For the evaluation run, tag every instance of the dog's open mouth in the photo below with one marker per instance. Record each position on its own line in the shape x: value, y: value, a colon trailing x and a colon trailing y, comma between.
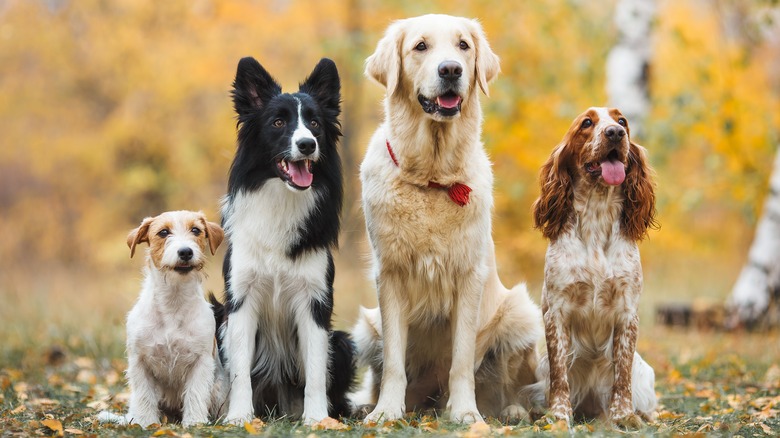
x: 448, y: 104
x: 297, y: 174
x: 611, y: 169
x: 183, y: 269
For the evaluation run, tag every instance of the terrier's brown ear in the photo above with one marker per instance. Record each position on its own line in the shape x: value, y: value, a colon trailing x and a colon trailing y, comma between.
x: 139, y: 235
x: 214, y: 234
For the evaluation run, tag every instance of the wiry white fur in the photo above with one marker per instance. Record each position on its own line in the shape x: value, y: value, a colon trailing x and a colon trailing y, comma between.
x: 170, y: 340
x: 277, y: 294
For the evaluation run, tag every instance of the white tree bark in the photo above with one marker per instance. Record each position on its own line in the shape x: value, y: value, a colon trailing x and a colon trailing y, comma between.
x: 760, y: 276
x: 628, y: 63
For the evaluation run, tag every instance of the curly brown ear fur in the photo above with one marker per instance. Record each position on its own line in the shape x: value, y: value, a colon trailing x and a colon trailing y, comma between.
x: 555, y: 205
x: 639, y: 191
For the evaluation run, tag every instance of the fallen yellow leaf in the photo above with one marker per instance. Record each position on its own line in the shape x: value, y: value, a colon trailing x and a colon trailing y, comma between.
x: 250, y: 428
x: 329, y: 423
x: 669, y: 415
x: 74, y: 431
x: 477, y: 430
x: 54, y: 425
x: 44, y: 402
x: 19, y: 409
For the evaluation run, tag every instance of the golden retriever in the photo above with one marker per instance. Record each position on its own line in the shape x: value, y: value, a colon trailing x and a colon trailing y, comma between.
x: 443, y: 314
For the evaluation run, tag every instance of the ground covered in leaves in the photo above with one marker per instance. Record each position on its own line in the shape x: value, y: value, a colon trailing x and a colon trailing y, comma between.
x: 707, y: 382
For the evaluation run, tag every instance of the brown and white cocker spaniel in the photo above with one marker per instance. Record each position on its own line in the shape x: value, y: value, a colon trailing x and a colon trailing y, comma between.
x: 596, y: 204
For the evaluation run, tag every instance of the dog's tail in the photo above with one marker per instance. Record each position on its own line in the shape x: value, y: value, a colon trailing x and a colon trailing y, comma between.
x: 220, y: 314
x: 341, y: 370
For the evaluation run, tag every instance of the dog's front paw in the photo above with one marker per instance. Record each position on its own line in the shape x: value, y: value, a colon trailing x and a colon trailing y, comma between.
x: 312, y: 419
x: 144, y: 419
x: 561, y: 412
x: 631, y: 421
x: 466, y: 415
x: 380, y: 414
x: 238, y: 418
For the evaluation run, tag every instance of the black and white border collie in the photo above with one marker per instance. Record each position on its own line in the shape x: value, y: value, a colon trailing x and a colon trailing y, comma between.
x: 281, y: 219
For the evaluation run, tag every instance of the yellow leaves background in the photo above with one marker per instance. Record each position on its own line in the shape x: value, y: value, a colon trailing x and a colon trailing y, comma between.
x: 112, y: 111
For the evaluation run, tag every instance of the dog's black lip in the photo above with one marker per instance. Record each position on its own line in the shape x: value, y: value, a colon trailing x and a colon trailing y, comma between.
x: 284, y: 176
x: 184, y: 269
x: 430, y: 106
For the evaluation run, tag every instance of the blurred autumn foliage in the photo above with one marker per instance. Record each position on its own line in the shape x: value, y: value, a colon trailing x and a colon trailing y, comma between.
x: 114, y: 110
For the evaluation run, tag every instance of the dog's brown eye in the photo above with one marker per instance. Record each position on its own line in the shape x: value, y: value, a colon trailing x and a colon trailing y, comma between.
x: 622, y: 121
x: 196, y: 231
x: 463, y: 45
x: 164, y: 233
x: 587, y: 123
x: 421, y: 47
x: 278, y: 123
x: 314, y: 124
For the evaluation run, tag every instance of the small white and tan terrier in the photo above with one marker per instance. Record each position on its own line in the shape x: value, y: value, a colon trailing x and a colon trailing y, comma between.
x: 171, y: 349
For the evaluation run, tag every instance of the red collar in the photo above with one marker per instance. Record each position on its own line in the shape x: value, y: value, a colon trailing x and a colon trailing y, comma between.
x: 459, y: 193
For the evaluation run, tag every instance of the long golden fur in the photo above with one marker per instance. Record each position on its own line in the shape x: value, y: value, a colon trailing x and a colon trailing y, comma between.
x: 443, y: 312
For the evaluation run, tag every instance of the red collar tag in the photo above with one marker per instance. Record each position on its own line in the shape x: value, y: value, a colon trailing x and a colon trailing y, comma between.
x: 458, y: 193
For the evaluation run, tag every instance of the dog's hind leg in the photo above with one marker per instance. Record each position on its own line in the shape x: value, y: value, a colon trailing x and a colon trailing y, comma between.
x: 341, y: 373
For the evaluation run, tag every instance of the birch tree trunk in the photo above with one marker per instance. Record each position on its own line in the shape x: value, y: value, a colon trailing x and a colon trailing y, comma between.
x: 755, y: 298
x: 628, y: 63
x: 759, y: 280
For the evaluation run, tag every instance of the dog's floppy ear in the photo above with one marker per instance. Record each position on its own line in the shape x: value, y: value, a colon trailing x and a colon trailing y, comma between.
x: 639, y: 191
x: 324, y: 85
x: 139, y: 235
x: 487, y: 63
x: 384, y: 66
x: 214, y: 235
x: 553, y: 209
x: 253, y: 87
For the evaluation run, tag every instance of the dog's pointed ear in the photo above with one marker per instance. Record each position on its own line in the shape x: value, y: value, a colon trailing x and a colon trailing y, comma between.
x: 487, y: 65
x: 324, y: 85
x: 214, y: 235
x: 253, y: 87
x: 139, y: 235
x: 384, y: 65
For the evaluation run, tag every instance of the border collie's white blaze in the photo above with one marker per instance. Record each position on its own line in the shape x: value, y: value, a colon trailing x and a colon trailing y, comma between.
x: 281, y: 217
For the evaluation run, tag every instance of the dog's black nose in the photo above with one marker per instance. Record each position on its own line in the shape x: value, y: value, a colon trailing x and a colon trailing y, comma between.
x: 306, y: 145
x: 450, y: 70
x: 615, y: 133
x: 185, y: 254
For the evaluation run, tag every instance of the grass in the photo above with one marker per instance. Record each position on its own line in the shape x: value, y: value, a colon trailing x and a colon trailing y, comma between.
x: 62, y: 360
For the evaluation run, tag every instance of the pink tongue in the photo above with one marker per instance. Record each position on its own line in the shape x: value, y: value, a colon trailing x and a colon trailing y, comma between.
x: 613, y: 172
x: 448, y: 101
x: 299, y: 173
